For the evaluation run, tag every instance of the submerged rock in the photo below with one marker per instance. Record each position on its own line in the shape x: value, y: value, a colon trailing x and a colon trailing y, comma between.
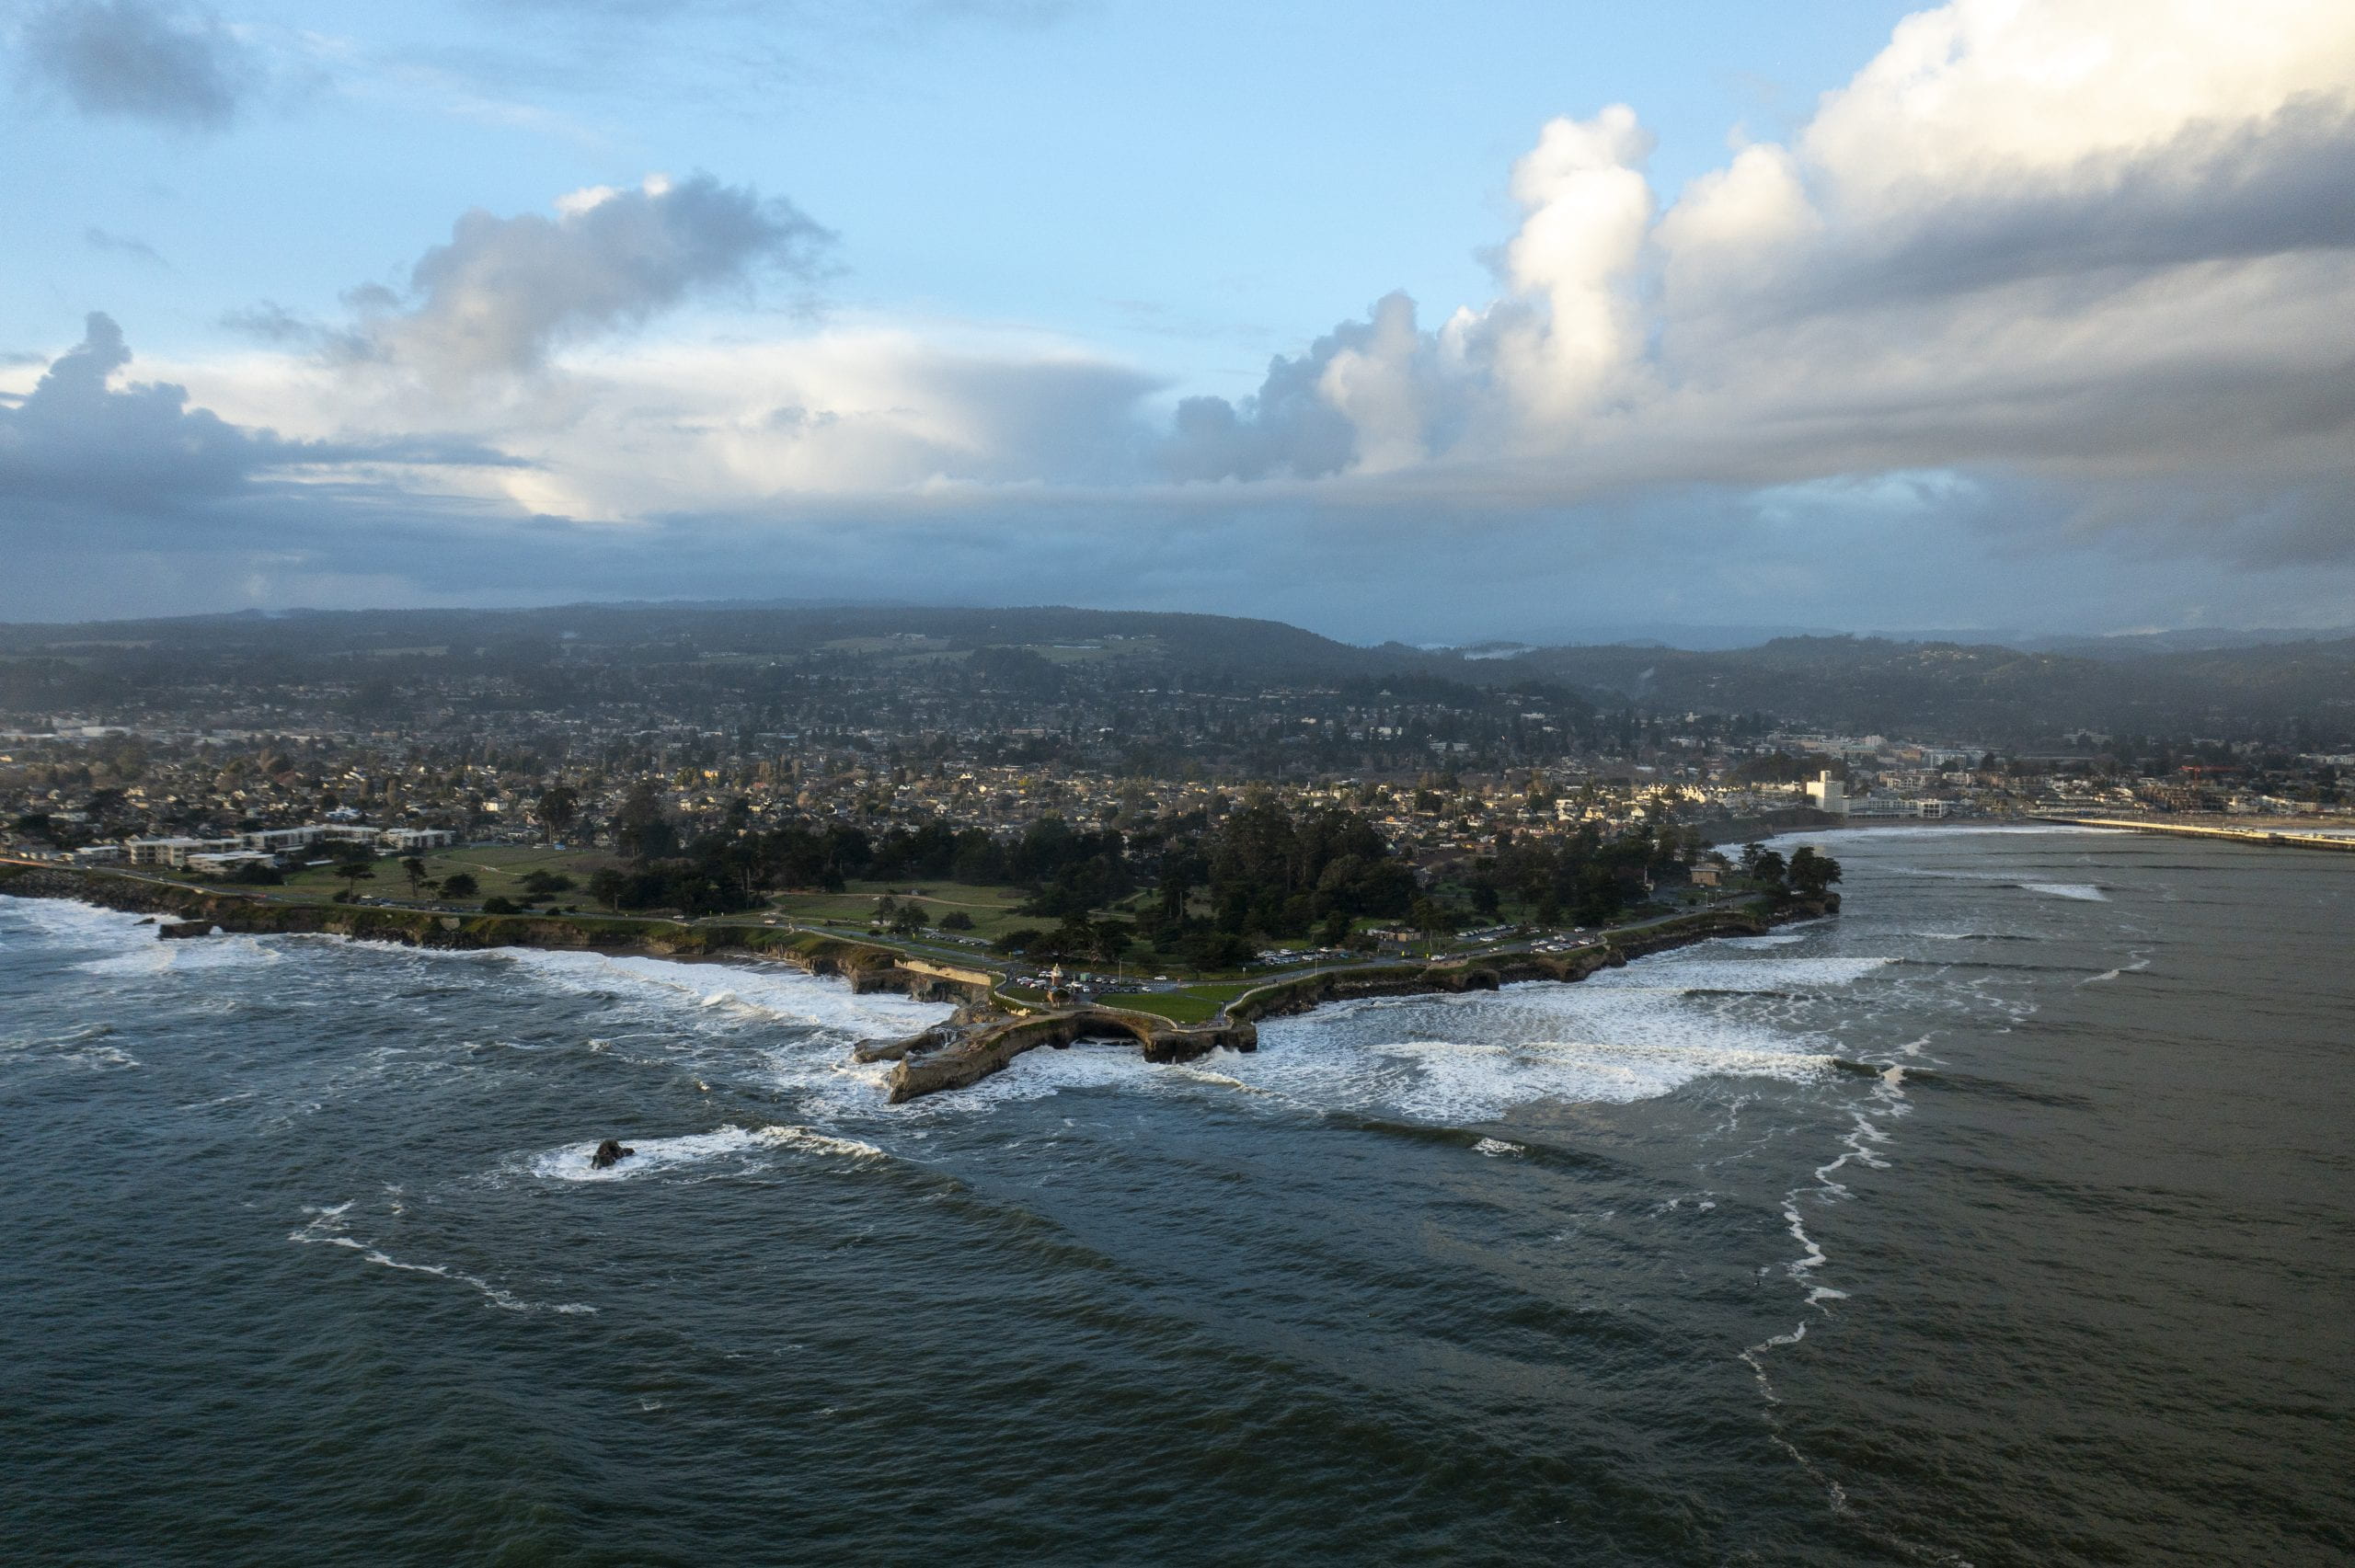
x: 610, y: 1152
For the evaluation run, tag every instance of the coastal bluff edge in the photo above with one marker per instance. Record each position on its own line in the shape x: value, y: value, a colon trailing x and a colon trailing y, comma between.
x: 867, y: 966
x: 987, y: 1032
x: 984, y: 1040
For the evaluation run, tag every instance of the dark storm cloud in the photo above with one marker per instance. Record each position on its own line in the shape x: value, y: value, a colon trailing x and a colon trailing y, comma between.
x: 140, y: 60
x: 86, y: 462
x: 75, y: 441
x: 506, y: 290
x: 1284, y: 429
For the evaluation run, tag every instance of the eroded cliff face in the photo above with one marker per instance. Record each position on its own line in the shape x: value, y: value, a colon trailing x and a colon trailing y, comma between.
x: 953, y: 1057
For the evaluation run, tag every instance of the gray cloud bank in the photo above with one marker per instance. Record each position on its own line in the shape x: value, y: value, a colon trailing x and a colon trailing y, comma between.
x: 139, y: 60
x: 88, y: 466
x: 2039, y: 321
x: 2147, y: 328
x: 74, y: 442
x: 504, y: 291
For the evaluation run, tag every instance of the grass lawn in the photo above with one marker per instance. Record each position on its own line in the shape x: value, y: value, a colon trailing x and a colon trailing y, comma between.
x: 1194, y: 1004
x: 990, y: 909
x: 496, y: 868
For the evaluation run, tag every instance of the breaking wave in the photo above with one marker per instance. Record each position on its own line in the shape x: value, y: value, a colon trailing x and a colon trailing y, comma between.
x: 328, y: 1225
x: 777, y: 991
x: 660, y: 1156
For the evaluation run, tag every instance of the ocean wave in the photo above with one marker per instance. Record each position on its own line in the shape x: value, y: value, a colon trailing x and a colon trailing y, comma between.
x: 2083, y: 891
x: 185, y: 955
x: 69, y: 920
x: 779, y: 992
x: 85, y: 1047
x: 657, y: 1156
x: 2135, y: 967
x: 1211, y: 1076
x: 1623, y: 1035
x: 1456, y: 1082
x: 328, y: 1225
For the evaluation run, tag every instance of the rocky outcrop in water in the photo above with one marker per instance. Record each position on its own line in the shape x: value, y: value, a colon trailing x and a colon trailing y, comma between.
x: 953, y: 1057
x: 609, y: 1154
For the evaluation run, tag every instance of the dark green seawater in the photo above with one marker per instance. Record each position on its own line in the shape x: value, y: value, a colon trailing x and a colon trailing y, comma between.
x: 2007, y: 1219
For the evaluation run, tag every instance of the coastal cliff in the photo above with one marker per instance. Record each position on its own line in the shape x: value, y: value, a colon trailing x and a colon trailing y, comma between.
x: 986, y: 1034
x: 867, y: 966
x: 957, y: 1055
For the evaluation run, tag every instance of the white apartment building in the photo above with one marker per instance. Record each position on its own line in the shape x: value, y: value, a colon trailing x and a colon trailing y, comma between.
x: 206, y: 855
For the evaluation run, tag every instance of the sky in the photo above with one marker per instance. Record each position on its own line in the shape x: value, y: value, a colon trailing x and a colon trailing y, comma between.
x: 1489, y: 320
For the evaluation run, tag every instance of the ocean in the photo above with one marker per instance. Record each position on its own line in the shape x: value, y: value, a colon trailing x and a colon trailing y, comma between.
x: 2006, y: 1217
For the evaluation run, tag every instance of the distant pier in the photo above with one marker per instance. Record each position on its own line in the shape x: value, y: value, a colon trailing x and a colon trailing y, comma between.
x: 2273, y: 837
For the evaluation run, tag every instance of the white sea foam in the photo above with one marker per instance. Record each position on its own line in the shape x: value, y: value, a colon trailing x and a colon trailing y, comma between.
x: 1624, y: 1034
x: 1087, y: 1064
x: 2136, y: 967
x: 777, y: 991
x: 2083, y: 891
x: 1211, y: 1076
x: 1492, y: 1147
x: 326, y: 1227
x: 84, y: 1048
x: 129, y: 943
x: 66, y: 920
x: 186, y: 955
x: 660, y: 1156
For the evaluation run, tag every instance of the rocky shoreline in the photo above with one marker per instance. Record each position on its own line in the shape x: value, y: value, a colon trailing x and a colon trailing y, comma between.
x: 986, y: 1033
x: 197, y: 911
x: 984, y: 1040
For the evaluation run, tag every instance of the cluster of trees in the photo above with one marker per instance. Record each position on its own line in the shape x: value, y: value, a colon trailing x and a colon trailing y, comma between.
x: 1808, y: 873
x: 1067, y: 869
x: 1269, y: 872
x: 1214, y: 891
x: 1584, y: 878
x: 1258, y: 873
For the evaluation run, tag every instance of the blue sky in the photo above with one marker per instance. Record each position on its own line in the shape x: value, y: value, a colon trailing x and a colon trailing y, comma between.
x: 1198, y: 187
x: 2016, y: 313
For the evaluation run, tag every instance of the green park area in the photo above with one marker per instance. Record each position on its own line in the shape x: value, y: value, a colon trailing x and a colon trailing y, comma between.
x: 991, y: 909
x: 499, y: 871
x: 1190, y: 1005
